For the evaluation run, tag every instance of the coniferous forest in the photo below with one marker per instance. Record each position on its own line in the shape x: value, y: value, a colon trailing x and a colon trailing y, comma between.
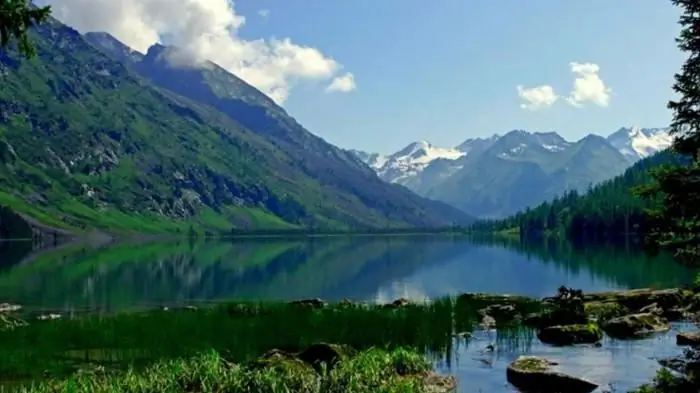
x: 657, y: 199
x: 612, y: 208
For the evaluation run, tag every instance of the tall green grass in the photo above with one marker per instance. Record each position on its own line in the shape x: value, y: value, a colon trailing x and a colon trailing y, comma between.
x: 238, y: 331
x: 373, y: 371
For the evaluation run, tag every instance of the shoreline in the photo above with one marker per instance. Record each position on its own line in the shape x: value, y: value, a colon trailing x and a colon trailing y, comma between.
x: 260, y: 328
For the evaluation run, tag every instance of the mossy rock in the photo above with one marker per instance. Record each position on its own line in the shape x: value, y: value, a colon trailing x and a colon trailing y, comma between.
x: 534, y: 374
x: 571, y: 334
x: 605, y: 310
x: 555, y: 317
x: 635, y: 325
x: 636, y: 299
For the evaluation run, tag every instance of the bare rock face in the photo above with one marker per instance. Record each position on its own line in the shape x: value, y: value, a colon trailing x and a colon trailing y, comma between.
x: 531, y: 373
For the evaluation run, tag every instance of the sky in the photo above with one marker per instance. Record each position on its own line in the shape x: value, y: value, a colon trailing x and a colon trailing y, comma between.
x: 377, y: 75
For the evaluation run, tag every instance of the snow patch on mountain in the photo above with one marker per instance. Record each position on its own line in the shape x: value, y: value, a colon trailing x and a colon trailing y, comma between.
x: 408, y: 165
x: 412, y: 160
x: 636, y: 143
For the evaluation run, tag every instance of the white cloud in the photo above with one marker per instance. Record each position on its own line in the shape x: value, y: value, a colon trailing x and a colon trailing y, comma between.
x: 538, y: 97
x: 203, y: 30
x: 264, y: 13
x: 344, y: 83
x: 588, y: 87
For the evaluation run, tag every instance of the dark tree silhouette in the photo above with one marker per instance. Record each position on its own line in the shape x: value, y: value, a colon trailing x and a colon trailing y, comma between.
x: 16, y: 17
x: 675, y: 222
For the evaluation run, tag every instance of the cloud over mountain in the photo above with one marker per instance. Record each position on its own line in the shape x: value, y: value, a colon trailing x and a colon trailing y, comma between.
x: 203, y: 30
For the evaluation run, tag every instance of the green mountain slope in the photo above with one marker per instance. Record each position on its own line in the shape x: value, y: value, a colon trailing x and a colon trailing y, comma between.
x: 608, y: 209
x: 84, y: 142
x: 335, y: 168
x: 519, y: 171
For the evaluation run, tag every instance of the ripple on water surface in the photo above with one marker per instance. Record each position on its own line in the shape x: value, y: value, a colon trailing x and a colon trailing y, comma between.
x: 623, y: 364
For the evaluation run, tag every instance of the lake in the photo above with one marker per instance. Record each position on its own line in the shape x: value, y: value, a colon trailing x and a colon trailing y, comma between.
x: 131, y: 276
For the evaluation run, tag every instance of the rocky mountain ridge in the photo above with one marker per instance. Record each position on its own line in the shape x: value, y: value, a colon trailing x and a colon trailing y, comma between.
x: 474, y: 168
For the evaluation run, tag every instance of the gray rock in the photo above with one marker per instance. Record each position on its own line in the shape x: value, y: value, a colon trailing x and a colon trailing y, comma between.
x: 533, y: 374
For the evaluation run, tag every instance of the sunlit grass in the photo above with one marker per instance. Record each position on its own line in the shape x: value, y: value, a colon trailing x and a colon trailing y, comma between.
x: 374, y: 371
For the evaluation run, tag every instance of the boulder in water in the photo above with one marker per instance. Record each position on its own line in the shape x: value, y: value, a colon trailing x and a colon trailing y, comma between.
x: 570, y: 334
x: 635, y: 325
x: 534, y: 374
x: 688, y: 338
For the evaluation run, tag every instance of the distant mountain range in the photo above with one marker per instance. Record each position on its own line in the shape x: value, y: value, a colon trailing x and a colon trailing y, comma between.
x: 500, y: 175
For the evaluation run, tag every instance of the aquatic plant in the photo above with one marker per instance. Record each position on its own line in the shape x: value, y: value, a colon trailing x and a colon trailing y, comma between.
x: 238, y: 331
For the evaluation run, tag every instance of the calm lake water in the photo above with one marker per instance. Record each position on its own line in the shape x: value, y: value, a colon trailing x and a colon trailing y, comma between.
x: 137, y: 275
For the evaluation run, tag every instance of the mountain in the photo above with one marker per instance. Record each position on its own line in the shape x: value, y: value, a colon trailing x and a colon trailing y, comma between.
x: 606, y: 210
x: 500, y: 175
x: 86, y: 142
x: 637, y: 143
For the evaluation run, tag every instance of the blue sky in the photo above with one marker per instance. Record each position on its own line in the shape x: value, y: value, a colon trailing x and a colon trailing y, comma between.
x: 447, y: 70
x: 442, y: 70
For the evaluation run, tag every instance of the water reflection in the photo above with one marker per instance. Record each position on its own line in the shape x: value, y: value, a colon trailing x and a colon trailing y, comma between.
x: 120, y: 276
x: 623, y: 365
x: 128, y: 276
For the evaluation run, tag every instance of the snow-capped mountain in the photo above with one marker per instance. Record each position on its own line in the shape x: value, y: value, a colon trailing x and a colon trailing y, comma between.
x: 491, y: 176
x: 374, y: 160
x: 409, y: 162
x: 636, y: 143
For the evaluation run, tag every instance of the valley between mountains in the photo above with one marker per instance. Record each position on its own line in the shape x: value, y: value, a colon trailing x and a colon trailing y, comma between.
x: 95, y: 135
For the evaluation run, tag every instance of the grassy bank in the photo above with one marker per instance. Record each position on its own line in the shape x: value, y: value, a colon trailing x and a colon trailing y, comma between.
x: 240, y: 332
x: 372, y: 371
x: 227, y: 347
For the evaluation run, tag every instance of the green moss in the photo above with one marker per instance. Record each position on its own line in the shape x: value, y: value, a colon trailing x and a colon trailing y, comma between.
x: 531, y: 364
x: 604, y: 310
x: 571, y: 334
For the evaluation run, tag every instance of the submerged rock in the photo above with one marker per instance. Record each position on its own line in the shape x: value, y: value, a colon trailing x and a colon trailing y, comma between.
x: 688, y: 338
x: 635, y: 325
x: 534, y: 374
x: 570, y: 334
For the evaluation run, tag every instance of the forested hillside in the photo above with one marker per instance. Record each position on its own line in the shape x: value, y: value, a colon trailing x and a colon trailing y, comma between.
x: 87, y: 143
x: 608, y: 209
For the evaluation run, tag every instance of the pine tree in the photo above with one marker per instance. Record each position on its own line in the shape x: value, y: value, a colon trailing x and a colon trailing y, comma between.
x: 676, y: 221
x: 16, y: 17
